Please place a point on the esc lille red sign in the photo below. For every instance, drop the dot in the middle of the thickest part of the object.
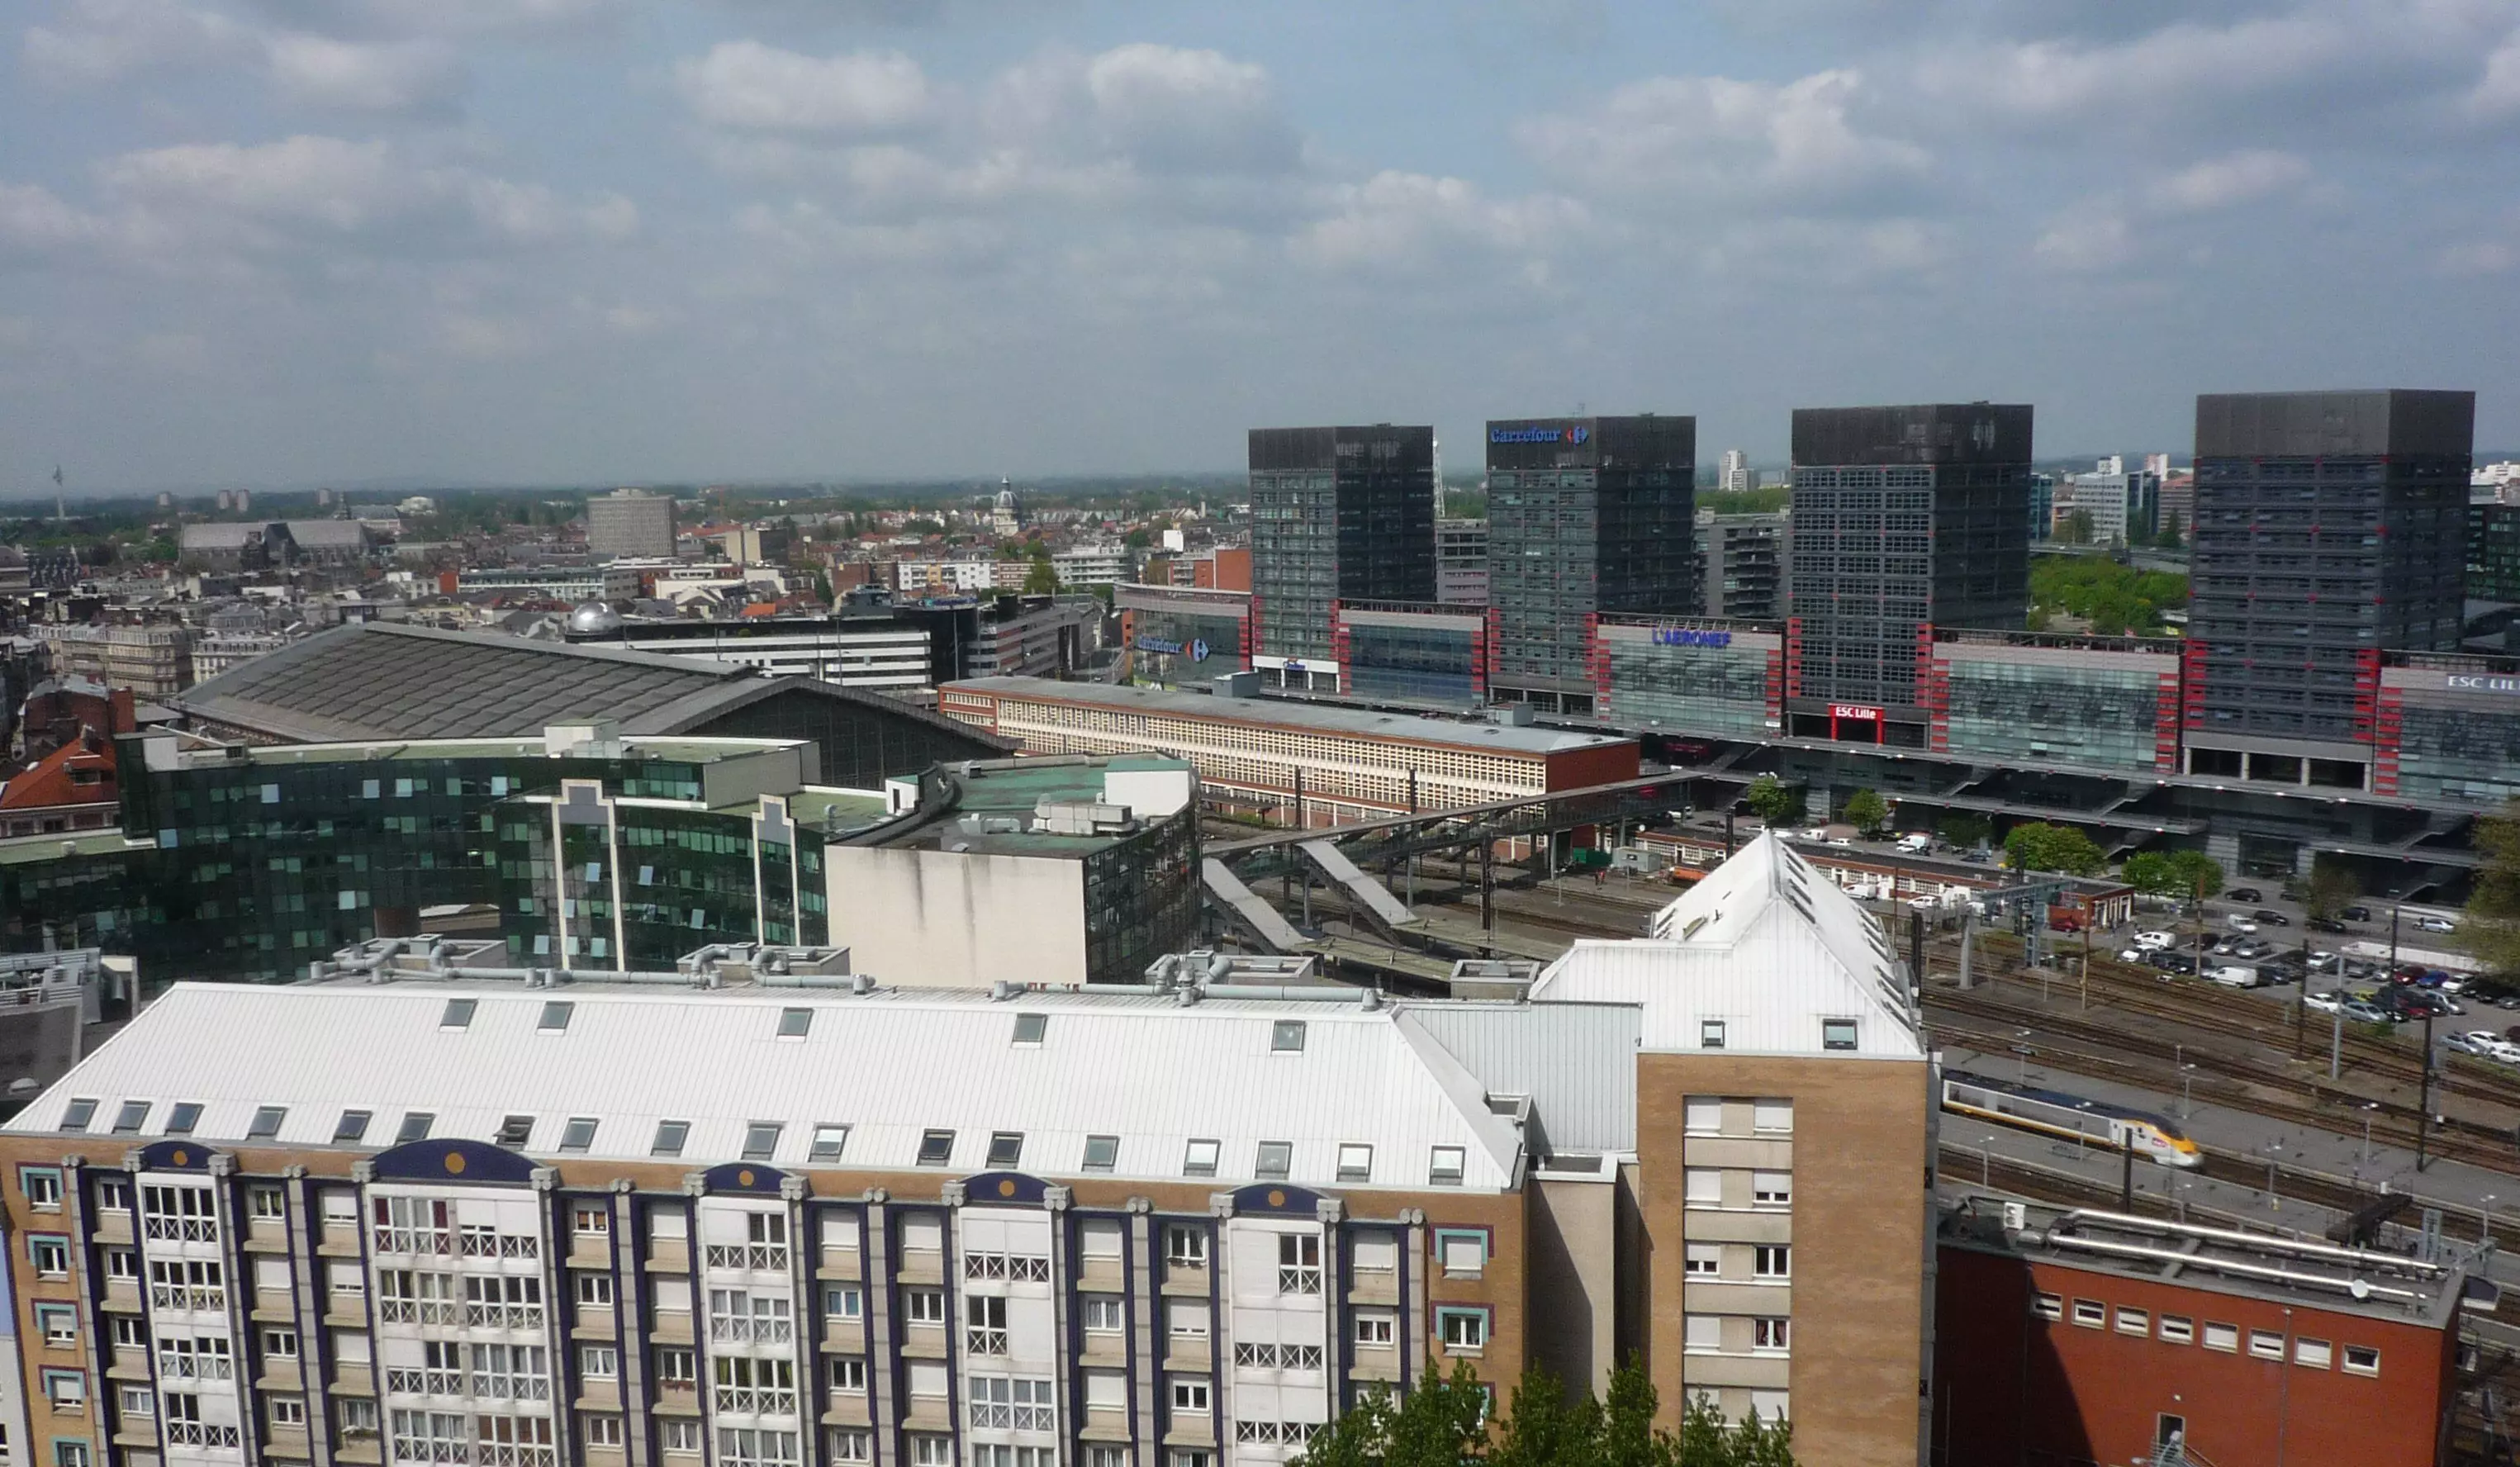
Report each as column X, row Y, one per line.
column 1855, row 711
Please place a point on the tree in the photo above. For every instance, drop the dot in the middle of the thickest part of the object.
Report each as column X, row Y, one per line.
column 1867, row 812
column 2333, row 884
column 1776, row 803
column 1961, row 829
column 2492, row 927
column 2074, row 528
column 1442, row 1423
column 1042, row 579
column 2169, row 538
column 2188, row 876
column 2037, row 846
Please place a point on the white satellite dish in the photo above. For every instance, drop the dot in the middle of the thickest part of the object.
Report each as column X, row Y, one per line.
column 2359, row 1289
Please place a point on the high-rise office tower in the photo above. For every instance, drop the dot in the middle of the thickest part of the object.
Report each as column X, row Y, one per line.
column 1736, row 476
column 1904, row 518
column 2330, row 526
column 1584, row 516
column 1337, row 514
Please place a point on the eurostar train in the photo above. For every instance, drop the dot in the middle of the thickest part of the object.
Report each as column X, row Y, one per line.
column 2053, row 1113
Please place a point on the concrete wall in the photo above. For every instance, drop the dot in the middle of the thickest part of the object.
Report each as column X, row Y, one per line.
column 1574, row 1281
column 946, row 919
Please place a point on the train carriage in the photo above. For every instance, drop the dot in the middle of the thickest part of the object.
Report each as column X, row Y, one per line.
column 2055, row 1113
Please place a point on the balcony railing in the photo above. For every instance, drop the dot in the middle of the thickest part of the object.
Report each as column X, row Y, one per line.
column 1015, row 1267
column 435, row 1240
column 187, row 1296
column 1297, row 1279
column 1277, row 1357
column 511, row 1387
column 420, row 1312
column 985, row 1341
column 510, row 1454
column 488, row 1244
column 503, row 1315
column 172, row 1366
column 755, row 1400
column 198, row 1434
column 424, row 1382
column 430, row 1449
column 182, row 1229
column 758, row 1258
column 742, row 1329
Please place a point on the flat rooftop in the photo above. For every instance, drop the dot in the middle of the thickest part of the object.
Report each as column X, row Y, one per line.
column 990, row 808
column 684, row 750
column 1310, row 718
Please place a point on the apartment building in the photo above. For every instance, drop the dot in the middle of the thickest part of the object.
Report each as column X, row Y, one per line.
column 152, row 662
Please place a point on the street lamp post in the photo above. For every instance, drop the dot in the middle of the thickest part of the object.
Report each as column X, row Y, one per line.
column 2368, row 1106
column 2186, row 1096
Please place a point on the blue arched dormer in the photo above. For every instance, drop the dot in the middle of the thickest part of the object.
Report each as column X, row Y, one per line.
column 1276, row 1197
column 468, row 1163
column 177, row 1155
column 750, row 1179
column 1003, row 1189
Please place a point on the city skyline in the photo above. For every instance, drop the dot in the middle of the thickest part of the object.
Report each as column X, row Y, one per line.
column 596, row 241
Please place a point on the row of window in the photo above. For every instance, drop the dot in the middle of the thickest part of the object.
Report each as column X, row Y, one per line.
column 2182, row 1329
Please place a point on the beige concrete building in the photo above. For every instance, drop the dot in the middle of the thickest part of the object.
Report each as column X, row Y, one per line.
column 152, row 662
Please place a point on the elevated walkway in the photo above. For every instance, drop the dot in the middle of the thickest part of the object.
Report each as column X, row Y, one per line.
column 1386, row 908
column 1263, row 919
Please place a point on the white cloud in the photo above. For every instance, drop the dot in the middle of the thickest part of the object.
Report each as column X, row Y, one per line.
column 36, row 221
column 482, row 338
column 1712, row 139
column 1398, row 218
column 749, row 86
column 390, row 77
column 102, row 40
column 2478, row 257
column 1170, row 108
column 2087, row 240
column 2225, row 182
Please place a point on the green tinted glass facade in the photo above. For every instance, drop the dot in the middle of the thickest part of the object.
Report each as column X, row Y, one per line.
column 2457, row 755
column 1413, row 664
column 2088, row 712
column 1722, row 691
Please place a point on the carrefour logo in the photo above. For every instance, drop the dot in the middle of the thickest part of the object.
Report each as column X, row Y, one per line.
column 1539, row 434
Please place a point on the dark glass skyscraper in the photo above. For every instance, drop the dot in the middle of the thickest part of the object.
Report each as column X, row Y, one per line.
column 1903, row 518
column 2330, row 526
column 1584, row 516
column 1337, row 514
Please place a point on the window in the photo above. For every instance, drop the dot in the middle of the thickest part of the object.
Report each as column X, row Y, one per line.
column 357, row 1417
column 266, row 1122
column 1102, row 1314
column 829, row 1141
column 280, row 1343
column 2090, row 1314
column 1188, row 1394
column 1184, row 1246
column 555, row 1017
column 42, row 1186
column 843, row 1302
column 130, row 1332
column 795, row 1023
column 2266, row 1344
column 680, row 1435
column 75, row 1455
column 1772, row 1333
column 2177, row 1329
column 985, row 1314
column 677, row 1368
column 1771, row 1261
column 66, row 1389
column 1355, row 1162
column 932, row 1451
column 352, row 1127
column 598, row 1361
column 1837, row 1034
column 1006, row 1148
column 1771, row 1116
column 670, row 1136
column 2361, row 1359
column 760, row 1139
column 1102, row 1153
column 414, row 1127
column 133, row 1116
column 79, row 1115
column 2224, row 1337
column 2134, row 1321
column 122, row 1263
column 594, row 1289
column 1702, row 1260
column 139, row 1401
column 1463, row 1250
column 1275, row 1161
column 2314, row 1353
column 1463, row 1331
column 1701, row 1187
column 1703, row 1115
column 851, row 1446
column 58, row 1322
column 1771, row 1188
column 289, row 1410
column 578, row 1135
column 1710, row 1033
column 1444, row 1165
column 935, row 1148
column 1200, row 1159
column 924, row 1306
column 49, row 1253
column 186, row 1115
column 1702, row 1334
column 1374, row 1331
column 1299, row 1263
column 602, row 1430
column 1031, row 1026
column 458, row 1013
column 1186, row 1320
column 1286, row 1036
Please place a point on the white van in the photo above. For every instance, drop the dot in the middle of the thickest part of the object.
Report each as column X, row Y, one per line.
column 1916, row 842
column 2232, row 975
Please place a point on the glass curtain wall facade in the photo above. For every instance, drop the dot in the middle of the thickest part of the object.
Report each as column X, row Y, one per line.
column 1586, row 515
column 1429, row 655
column 1141, row 899
column 1693, row 677
column 1337, row 514
column 2493, row 552
column 1904, row 518
column 1184, row 637
column 2330, row 526
column 2449, row 729
column 2104, row 703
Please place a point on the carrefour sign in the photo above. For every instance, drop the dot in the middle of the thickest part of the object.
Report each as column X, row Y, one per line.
column 1539, row 434
column 1196, row 650
column 1687, row 636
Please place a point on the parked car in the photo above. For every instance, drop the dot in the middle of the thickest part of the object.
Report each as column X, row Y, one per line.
column 2485, row 1044
column 2322, row 961
column 2252, row 948
column 2238, row 923
column 2356, row 913
column 2131, row 954
column 2271, row 917
column 2174, row 962
column 2154, row 940
column 2233, row 975
column 2362, row 1012
column 2441, row 1004
column 2325, row 924
column 2434, row 924
column 2245, row 894
column 2327, row 1002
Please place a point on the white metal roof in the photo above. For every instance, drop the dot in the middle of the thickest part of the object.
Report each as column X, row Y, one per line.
column 1311, row 718
column 890, row 1065
column 1764, row 944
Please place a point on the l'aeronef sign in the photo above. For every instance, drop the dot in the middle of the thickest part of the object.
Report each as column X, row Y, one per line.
column 1536, row 434
column 1680, row 636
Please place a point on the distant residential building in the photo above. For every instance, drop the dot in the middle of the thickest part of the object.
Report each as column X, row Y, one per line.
column 154, row 662
column 1741, row 571
column 1462, row 561
column 218, row 651
column 2178, row 501
column 1096, row 565
column 2043, row 506
column 17, row 577
column 2123, row 507
column 71, row 788
column 2157, row 465
column 630, row 523
column 1735, row 476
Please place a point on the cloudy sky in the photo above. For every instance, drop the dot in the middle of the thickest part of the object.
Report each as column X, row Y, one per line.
column 566, row 240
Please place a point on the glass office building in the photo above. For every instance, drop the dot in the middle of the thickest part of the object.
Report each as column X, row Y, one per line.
column 2447, row 730
column 1585, row 517
column 1395, row 652
column 1176, row 637
column 1337, row 514
column 2097, row 702
column 2493, row 552
column 1716, row 679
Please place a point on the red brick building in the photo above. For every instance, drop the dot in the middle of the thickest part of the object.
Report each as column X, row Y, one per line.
column 2064, row 1338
